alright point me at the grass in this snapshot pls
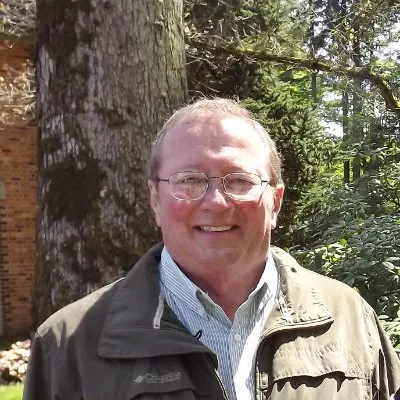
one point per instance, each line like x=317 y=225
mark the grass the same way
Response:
x=11 y=392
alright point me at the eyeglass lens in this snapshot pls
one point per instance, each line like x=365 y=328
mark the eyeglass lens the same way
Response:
x=193 y=186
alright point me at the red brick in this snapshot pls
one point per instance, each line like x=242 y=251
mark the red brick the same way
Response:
x=18 y=172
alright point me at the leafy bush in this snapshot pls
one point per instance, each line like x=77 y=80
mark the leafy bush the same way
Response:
x=392 y=328
x=351 y=233
x=366 y=256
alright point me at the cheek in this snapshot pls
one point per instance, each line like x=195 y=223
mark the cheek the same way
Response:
x=258 y=214
x=254 y=210
x=177 y=211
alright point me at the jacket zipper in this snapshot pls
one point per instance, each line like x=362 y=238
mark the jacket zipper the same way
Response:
x=215 y=371
x=257 y=391
x=263 y=339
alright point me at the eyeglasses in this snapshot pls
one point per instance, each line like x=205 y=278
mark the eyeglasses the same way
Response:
x=240 y=186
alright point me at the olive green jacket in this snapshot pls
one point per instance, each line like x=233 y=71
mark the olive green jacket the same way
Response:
x=321 y=341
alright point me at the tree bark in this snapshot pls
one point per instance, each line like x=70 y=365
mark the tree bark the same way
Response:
x=346 y=133
x=357 y=106
x=108 y=73
x=345 y=103
x=312 y=48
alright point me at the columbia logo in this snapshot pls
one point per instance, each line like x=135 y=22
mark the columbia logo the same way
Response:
x=139 y=379
x=150 y=378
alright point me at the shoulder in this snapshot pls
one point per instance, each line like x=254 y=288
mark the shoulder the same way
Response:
x=89 y=311
x=354 y=326
x=334 y=293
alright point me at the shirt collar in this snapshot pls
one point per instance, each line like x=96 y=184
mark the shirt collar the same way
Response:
x=173 y=279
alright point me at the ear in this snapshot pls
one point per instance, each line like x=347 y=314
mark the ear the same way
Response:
x=154 y=200
x=278 y=196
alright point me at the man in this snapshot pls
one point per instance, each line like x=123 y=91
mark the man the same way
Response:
x=214 y=312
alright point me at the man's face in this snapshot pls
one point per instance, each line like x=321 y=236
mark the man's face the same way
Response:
x=216 y=148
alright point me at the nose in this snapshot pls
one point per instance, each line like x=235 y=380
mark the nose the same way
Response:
x=215 y=197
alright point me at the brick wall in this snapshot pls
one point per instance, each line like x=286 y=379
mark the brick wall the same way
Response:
x=18 y=174
x=2 y=255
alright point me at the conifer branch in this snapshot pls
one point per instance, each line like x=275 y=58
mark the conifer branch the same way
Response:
x=316 y=64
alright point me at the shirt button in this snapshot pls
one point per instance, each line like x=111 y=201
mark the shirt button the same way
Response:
x=237 y=337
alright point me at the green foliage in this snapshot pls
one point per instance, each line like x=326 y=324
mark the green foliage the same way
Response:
x=253 y=25
x=299 y=139
x=351 y=233
x=278 y=26
x=392 y=328
x=366 y=256
x=5 y=344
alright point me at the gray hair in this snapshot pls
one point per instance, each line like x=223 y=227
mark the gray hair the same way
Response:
x=213 y=108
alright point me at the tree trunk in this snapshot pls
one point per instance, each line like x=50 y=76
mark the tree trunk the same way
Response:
x=312 y=48
x=108 y=74
x=357 y=121
x=346 y=138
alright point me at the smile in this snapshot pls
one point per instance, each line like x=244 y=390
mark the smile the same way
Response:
x=215 y=228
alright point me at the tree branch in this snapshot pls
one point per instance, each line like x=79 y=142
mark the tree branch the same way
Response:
x=364 y=73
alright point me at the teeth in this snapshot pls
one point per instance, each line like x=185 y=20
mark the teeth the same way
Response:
x=216 y=228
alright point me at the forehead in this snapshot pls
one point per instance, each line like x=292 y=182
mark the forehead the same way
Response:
x=218 y=138
x=213 y=131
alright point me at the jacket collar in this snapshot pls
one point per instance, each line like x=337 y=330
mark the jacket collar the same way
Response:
x=299 y=304
x=140 y=324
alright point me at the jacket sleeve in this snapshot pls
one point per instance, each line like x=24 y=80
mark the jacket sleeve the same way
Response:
x=387 y=369
x=37 y=382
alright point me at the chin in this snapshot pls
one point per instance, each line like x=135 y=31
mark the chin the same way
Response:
x=217 y=258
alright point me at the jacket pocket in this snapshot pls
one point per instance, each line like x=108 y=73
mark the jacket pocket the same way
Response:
x=329 y=373
x=174 y=385
x=150 y=380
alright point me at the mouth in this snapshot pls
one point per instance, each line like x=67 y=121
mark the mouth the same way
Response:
x=211 y=228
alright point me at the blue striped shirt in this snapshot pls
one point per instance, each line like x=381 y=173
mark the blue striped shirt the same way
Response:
x=234 y=342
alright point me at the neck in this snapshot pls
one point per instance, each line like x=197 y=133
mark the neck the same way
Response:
x=229 y=290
